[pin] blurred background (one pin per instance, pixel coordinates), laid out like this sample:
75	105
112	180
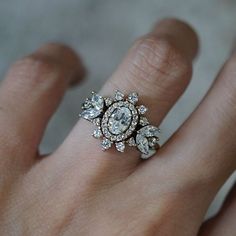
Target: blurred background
102	31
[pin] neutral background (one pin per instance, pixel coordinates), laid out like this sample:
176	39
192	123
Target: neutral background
102	31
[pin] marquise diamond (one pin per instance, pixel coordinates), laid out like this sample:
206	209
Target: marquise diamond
92	107
147	138
142	143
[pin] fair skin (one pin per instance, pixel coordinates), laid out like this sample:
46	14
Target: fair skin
81	190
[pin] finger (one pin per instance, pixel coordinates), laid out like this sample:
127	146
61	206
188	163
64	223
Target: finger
29	95
212	155
201	155
224	222
158	68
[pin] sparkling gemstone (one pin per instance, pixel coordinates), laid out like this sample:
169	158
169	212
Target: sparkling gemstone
120	146
120	120
97	101
133	98
153	141
147	138
97	121
87	104
131	142
142	109
119	96
106	144
97	133
108	101
142	143
143	121
94	107
150	131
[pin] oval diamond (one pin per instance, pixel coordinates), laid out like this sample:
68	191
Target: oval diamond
120	120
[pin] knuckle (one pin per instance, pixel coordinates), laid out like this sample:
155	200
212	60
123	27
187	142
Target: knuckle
160	56
13	140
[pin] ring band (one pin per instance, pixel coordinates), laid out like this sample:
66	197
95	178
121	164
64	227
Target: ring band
120	121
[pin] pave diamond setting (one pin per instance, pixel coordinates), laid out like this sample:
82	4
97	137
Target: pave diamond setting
121	121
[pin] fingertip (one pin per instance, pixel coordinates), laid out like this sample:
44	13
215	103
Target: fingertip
181	34
66	57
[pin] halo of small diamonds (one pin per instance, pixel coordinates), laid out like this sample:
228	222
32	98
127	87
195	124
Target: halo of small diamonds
105	121
120	121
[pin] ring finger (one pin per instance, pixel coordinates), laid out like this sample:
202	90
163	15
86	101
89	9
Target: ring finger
158	68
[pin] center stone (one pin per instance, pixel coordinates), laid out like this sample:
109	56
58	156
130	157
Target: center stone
120	120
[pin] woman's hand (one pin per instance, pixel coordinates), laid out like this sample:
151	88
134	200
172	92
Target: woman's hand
81	190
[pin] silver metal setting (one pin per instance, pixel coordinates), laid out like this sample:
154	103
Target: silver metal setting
120	121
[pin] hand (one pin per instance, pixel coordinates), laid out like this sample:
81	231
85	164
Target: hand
81	190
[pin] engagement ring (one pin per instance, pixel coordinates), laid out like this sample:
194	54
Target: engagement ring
120	121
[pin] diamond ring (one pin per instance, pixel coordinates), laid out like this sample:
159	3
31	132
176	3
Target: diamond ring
120	121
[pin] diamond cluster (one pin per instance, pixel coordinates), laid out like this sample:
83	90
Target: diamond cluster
120	121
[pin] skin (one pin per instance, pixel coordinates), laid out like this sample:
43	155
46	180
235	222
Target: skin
81	190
